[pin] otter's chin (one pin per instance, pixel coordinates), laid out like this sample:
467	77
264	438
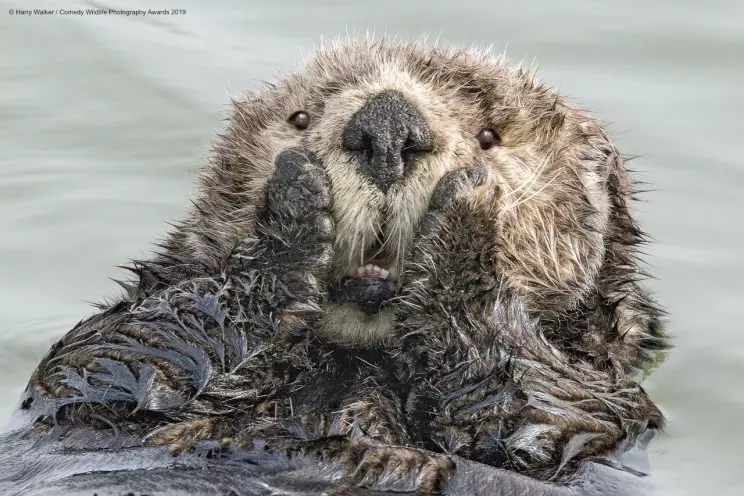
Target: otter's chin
346	325
357	315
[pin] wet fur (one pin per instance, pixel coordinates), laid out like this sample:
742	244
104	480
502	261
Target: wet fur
518	331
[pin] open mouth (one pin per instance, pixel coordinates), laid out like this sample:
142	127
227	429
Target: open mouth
370	285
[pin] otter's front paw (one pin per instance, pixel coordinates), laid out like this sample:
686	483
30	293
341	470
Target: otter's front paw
400	468
448	276
282	270
296	218
294	228
456	190
299	192
454	249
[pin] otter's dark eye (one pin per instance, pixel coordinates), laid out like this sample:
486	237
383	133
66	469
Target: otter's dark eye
488	138
300	120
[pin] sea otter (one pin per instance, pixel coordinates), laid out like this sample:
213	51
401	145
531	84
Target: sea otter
403	259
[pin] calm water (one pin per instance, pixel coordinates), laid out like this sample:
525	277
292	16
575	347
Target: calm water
103	120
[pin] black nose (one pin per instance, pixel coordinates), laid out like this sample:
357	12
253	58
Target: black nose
388	132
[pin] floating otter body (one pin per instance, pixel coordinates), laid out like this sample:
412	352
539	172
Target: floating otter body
401	258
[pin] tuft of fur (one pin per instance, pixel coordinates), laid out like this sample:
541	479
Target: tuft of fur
520	322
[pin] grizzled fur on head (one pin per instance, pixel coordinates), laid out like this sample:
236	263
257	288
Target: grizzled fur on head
563	232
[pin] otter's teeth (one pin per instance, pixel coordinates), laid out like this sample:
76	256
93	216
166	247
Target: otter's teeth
372	271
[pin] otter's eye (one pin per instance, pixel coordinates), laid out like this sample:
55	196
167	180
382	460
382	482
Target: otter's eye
487	138
300	120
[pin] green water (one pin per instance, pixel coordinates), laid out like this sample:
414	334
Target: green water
103	120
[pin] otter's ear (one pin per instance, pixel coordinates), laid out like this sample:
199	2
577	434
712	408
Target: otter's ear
630	321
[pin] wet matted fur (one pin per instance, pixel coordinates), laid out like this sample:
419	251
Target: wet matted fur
517	327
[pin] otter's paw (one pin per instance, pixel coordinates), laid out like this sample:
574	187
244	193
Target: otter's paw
299	196
455	247
455	190
281	270
386	467
295	230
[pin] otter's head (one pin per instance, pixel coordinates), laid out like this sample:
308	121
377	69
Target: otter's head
388	121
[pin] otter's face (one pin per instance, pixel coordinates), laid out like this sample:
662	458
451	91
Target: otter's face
389	121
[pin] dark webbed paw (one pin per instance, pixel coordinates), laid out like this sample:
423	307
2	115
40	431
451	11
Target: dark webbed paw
452	256
296	218
300	192
290	254
456	188
295	225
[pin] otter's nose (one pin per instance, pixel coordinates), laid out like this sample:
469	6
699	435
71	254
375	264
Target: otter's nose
388	132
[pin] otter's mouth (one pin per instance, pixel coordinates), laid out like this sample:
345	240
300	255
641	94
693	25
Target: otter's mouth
370	285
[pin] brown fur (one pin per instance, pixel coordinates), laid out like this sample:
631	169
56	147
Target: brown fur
530	281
